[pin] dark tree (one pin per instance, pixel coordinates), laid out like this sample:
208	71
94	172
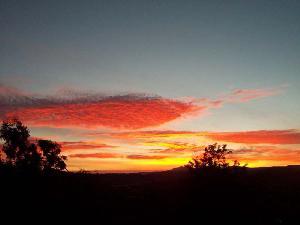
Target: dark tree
22	154
52	160
214	157
17	147
15	137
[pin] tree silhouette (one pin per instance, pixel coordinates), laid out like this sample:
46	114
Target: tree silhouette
214	157
22	154
16	146
51	155
15	136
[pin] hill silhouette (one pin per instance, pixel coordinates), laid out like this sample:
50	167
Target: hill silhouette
260	196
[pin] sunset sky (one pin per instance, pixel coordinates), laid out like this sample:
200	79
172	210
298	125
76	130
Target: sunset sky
144	85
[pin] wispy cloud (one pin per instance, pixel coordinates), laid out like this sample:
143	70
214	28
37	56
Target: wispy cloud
174	147
258	137
103	155
245	95
5	91
81	145
290	136
267	155
157	157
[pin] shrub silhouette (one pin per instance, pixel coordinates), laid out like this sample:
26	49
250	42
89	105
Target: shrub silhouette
213	158
24	155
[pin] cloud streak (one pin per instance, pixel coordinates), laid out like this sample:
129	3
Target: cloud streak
258	137
268	155
245	95
290	136
82	145
174	147
96	155
147	157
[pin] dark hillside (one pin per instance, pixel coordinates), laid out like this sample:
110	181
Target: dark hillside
260	196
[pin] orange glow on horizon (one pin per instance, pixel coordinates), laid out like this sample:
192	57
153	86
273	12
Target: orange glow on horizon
154	150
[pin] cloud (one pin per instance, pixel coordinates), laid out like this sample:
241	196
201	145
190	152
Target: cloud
268	155
7	92
239	96
245	95
289	136
81	145
103	155
155	134
96	155
123	113
132	111
174	147
155	157
11	97
265	150
80	109
258	137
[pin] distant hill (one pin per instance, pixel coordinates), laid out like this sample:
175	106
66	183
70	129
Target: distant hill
266	195
277	168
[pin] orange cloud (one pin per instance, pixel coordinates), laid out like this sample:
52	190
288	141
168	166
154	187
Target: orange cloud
267	155
153	134
174	147
96	155
258	137
80	145
146	157
247	137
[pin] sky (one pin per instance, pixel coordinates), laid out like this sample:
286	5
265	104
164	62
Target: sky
145	85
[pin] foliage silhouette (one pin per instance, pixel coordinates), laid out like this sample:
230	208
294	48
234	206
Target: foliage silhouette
51	155
213	158
25	155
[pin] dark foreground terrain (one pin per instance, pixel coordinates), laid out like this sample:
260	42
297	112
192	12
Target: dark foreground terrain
258	196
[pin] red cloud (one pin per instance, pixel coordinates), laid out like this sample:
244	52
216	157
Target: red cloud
96	155
123	113
258	137
77	109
